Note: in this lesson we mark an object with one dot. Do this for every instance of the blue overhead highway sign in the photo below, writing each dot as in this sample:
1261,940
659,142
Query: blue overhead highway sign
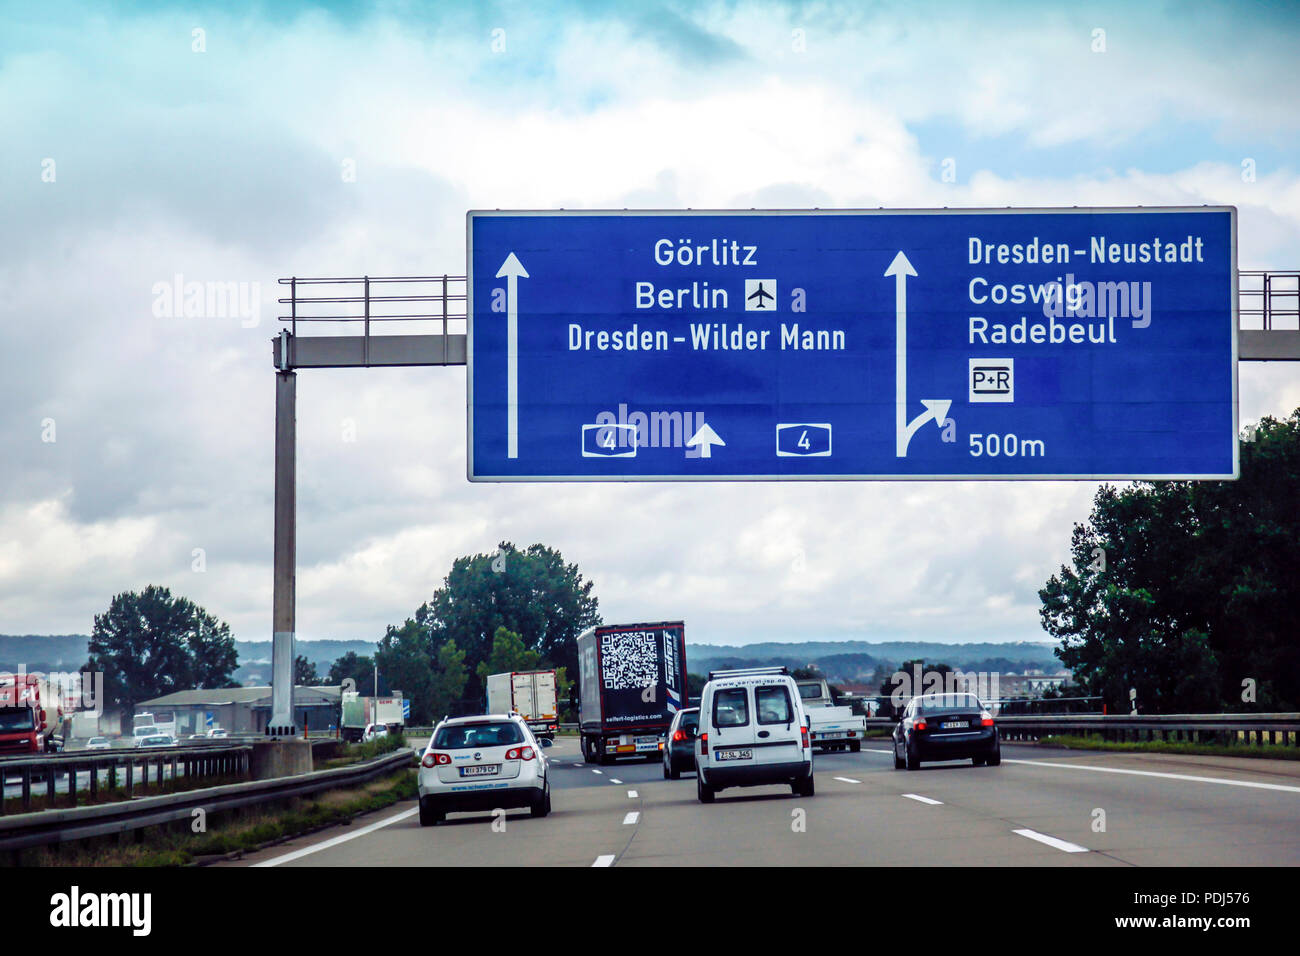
955,343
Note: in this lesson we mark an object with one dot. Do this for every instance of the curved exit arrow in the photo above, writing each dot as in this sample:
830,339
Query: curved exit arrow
935,408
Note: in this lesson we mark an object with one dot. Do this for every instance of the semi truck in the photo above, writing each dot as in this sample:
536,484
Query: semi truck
359,712
530,694
31,715
632,681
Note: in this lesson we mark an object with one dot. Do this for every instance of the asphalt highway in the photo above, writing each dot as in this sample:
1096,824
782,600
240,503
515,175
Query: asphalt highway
1039,808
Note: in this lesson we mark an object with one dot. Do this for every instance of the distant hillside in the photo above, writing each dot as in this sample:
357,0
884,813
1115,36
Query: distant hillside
65,652
847,660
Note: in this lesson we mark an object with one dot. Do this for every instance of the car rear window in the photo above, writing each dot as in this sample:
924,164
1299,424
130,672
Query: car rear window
731,707
462,736
773,705
810,691
942,702
690,721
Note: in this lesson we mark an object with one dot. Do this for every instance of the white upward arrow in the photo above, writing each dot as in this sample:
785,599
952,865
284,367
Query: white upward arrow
512,269
936,409
704,440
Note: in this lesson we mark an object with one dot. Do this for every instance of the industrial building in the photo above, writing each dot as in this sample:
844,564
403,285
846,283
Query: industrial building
241,710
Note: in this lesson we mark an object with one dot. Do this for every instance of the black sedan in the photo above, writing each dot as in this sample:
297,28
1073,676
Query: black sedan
679,749
946,727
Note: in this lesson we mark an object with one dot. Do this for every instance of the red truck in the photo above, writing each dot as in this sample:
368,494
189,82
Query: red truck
30,715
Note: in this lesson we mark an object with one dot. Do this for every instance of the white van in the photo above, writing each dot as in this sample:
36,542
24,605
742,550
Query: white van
753,733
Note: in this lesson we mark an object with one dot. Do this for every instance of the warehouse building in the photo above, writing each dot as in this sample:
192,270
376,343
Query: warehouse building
240,710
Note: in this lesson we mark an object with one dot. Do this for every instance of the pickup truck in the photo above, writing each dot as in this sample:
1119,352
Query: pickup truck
830,727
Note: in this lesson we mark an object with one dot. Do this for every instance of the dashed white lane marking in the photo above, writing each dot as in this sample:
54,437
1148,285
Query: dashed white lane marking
920,799
1287,788
847,780
577,765
1052,841
335,841
615,780
632,794
631,818
605,859
599,772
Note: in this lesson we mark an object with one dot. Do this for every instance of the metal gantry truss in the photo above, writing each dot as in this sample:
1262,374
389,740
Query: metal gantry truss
432,314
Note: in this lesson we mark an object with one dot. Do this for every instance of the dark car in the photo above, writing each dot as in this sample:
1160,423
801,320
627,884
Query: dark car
679,749
946,727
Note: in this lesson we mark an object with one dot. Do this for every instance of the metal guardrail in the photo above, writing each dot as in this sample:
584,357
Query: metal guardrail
45,827
1232,729
193,762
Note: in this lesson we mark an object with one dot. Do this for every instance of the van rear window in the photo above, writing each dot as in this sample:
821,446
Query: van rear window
773,705
731,707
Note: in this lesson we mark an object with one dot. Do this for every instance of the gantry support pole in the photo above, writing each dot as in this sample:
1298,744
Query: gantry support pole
283,596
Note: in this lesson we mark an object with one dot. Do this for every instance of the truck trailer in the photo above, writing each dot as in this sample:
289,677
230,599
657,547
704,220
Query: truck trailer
530,694
633,682
358,712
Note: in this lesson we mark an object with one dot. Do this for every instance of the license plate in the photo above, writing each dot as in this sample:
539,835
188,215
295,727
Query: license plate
835,735
647,743
479,771
738,754
954,724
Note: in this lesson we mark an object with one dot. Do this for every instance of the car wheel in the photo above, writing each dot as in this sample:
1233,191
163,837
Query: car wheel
856,746
543,806
978,761
430,816
913,758
673,772
804,787
899,762
995,758
704,793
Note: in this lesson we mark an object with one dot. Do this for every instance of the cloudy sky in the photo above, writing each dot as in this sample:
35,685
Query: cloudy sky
241,144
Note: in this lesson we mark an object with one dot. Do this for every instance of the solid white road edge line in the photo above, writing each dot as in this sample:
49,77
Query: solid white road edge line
335,841
1052,841
847,780
605,859
631,818
1286,788
920,799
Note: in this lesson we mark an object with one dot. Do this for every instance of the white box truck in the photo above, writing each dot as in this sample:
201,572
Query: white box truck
530,694
831,727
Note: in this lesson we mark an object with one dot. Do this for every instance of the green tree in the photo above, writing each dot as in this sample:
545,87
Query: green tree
451,676
406,664
357,668
1187,591
532,593
149,643
508,654
304,672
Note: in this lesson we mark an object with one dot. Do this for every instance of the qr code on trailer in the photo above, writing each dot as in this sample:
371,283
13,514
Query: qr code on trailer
629,660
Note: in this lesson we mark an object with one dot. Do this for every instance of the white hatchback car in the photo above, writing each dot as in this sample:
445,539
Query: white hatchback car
753,732
487,762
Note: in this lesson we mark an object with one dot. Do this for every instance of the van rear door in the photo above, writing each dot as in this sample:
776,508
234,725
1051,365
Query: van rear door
778,736
733,738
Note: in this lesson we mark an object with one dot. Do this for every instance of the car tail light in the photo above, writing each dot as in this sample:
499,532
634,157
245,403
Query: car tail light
853,733
704,744
432,760
521,753
986,719
806,745
679,736
919,725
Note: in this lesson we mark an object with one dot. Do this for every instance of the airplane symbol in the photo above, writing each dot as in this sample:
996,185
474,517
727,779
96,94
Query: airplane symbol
757,296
